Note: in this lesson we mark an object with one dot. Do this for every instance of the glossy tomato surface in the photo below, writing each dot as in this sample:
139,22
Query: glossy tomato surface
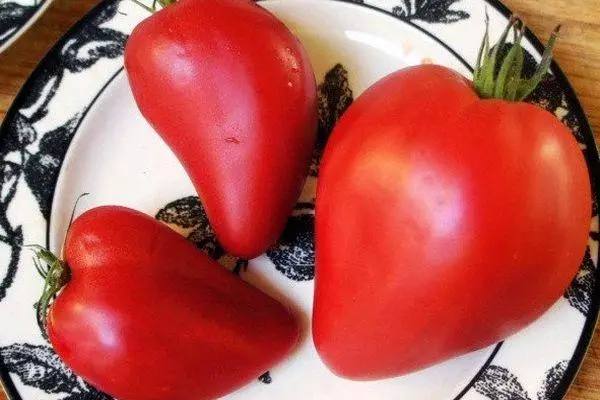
444,223
146,315
231,90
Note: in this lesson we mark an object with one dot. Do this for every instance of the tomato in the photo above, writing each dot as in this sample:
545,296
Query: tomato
232,92
444,223
145,315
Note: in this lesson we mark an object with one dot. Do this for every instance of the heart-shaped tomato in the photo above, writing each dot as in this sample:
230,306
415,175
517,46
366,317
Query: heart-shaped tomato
145,315
444,223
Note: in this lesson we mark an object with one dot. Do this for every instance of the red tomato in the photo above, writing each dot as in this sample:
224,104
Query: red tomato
444,223
232,92
146,315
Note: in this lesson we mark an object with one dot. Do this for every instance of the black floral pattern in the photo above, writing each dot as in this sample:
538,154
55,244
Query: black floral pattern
334,97
91,44
433,11
13,16
498,383
294,254
187,213
25,153
579,294
40,367
13,156
552,380
188,216
40,168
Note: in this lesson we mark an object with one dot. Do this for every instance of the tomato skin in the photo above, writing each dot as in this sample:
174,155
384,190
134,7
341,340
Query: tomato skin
148,316
445,223
232,92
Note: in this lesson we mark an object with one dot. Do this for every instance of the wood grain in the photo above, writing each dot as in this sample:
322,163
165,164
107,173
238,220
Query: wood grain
578,53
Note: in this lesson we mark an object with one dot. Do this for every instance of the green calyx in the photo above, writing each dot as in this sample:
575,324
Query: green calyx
56,274
155,4
504,81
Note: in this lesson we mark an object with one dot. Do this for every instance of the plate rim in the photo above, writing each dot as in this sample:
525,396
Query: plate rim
593,316
6,382
25,27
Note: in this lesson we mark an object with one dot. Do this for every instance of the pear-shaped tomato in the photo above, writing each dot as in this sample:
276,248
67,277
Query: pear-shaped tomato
231,90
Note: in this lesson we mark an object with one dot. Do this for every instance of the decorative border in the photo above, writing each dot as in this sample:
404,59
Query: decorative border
31,17
48,62
592,157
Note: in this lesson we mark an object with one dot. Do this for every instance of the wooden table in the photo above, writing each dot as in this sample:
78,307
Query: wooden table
578,53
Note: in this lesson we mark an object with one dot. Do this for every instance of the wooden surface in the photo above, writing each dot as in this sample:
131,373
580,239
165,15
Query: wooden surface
578,53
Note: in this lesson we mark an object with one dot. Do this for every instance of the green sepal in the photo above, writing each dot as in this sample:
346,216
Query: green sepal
506,82
155,4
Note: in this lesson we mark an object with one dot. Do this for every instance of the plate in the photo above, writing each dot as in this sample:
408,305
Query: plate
16,16
74,128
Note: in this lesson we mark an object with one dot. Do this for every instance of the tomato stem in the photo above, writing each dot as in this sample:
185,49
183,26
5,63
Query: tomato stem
505,81
55,272
56,275
155,3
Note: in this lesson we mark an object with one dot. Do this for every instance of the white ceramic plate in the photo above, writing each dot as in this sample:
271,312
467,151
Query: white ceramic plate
16,16
75,128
